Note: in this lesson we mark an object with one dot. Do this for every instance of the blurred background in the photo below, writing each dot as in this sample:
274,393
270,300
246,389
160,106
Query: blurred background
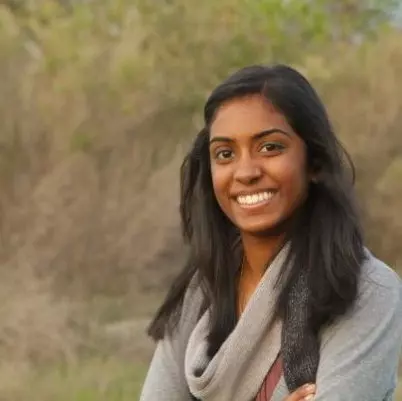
99,100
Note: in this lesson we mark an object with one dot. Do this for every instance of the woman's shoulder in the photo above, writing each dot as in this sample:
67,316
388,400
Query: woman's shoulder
177,339
379,297
377,310
192,305
379,282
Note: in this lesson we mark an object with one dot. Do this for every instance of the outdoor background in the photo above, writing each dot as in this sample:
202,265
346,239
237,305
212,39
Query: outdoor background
98,101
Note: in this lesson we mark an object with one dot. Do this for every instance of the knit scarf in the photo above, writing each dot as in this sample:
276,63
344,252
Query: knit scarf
238,369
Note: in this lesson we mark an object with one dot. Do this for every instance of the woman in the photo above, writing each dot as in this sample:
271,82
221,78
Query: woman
279,291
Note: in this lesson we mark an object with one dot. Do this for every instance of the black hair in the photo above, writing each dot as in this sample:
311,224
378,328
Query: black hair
325,240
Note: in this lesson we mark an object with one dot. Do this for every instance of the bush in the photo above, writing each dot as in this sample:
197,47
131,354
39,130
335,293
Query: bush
99,101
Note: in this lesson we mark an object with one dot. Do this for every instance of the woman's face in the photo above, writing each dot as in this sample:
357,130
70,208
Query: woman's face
258,164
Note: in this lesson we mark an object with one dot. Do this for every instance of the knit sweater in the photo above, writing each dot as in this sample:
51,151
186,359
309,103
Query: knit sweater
358,357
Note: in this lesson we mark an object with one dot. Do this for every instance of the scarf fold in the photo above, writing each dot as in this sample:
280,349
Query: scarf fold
300,345
238,369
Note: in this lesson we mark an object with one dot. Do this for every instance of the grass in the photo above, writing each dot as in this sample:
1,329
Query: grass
398,393
93,379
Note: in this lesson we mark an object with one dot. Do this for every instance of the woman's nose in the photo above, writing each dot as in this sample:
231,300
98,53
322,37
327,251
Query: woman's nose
247,171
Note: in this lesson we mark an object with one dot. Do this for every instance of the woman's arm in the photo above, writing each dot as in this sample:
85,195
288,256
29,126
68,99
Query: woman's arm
360,355
165,379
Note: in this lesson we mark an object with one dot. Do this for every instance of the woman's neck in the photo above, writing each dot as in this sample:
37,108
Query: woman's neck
258,252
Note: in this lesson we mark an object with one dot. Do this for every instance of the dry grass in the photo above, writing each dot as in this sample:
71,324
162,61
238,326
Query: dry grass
92,137
92,379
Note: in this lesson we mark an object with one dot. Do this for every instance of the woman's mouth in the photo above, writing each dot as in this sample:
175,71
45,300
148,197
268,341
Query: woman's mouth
256,199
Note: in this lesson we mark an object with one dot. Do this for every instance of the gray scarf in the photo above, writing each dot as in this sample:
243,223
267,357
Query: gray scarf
239,367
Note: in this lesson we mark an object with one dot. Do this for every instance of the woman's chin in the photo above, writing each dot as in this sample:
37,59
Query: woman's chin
263,228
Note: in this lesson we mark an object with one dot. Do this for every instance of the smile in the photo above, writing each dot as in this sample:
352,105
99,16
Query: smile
255,199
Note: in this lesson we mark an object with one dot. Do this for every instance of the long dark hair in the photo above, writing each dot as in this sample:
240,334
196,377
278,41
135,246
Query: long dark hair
325,240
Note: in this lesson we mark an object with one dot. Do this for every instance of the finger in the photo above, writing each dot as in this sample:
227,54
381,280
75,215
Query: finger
304,393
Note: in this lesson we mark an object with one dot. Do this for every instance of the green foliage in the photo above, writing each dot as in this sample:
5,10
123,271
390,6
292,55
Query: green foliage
164,49
175,37
81,141
93,379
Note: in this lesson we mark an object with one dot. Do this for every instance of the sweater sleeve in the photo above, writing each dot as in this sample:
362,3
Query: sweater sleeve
359,357
165,379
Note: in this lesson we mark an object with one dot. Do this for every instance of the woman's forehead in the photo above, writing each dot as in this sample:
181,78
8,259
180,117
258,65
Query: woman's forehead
247,116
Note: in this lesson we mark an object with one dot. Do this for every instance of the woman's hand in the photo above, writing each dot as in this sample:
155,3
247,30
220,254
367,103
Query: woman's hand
303,393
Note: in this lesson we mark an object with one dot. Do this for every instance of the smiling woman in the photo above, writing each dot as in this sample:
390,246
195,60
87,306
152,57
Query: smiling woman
258,165
279,300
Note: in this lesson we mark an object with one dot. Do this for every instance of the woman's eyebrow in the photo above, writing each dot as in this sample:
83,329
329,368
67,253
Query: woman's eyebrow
257,135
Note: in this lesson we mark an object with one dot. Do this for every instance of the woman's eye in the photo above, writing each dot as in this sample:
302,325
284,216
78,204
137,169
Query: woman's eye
224,154
271,147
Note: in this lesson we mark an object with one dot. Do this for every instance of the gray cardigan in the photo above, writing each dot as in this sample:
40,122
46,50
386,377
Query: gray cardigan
359,352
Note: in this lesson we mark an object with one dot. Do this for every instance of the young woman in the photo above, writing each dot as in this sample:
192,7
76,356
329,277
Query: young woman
279,291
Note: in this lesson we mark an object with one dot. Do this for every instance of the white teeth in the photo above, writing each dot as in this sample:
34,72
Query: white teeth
254,198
